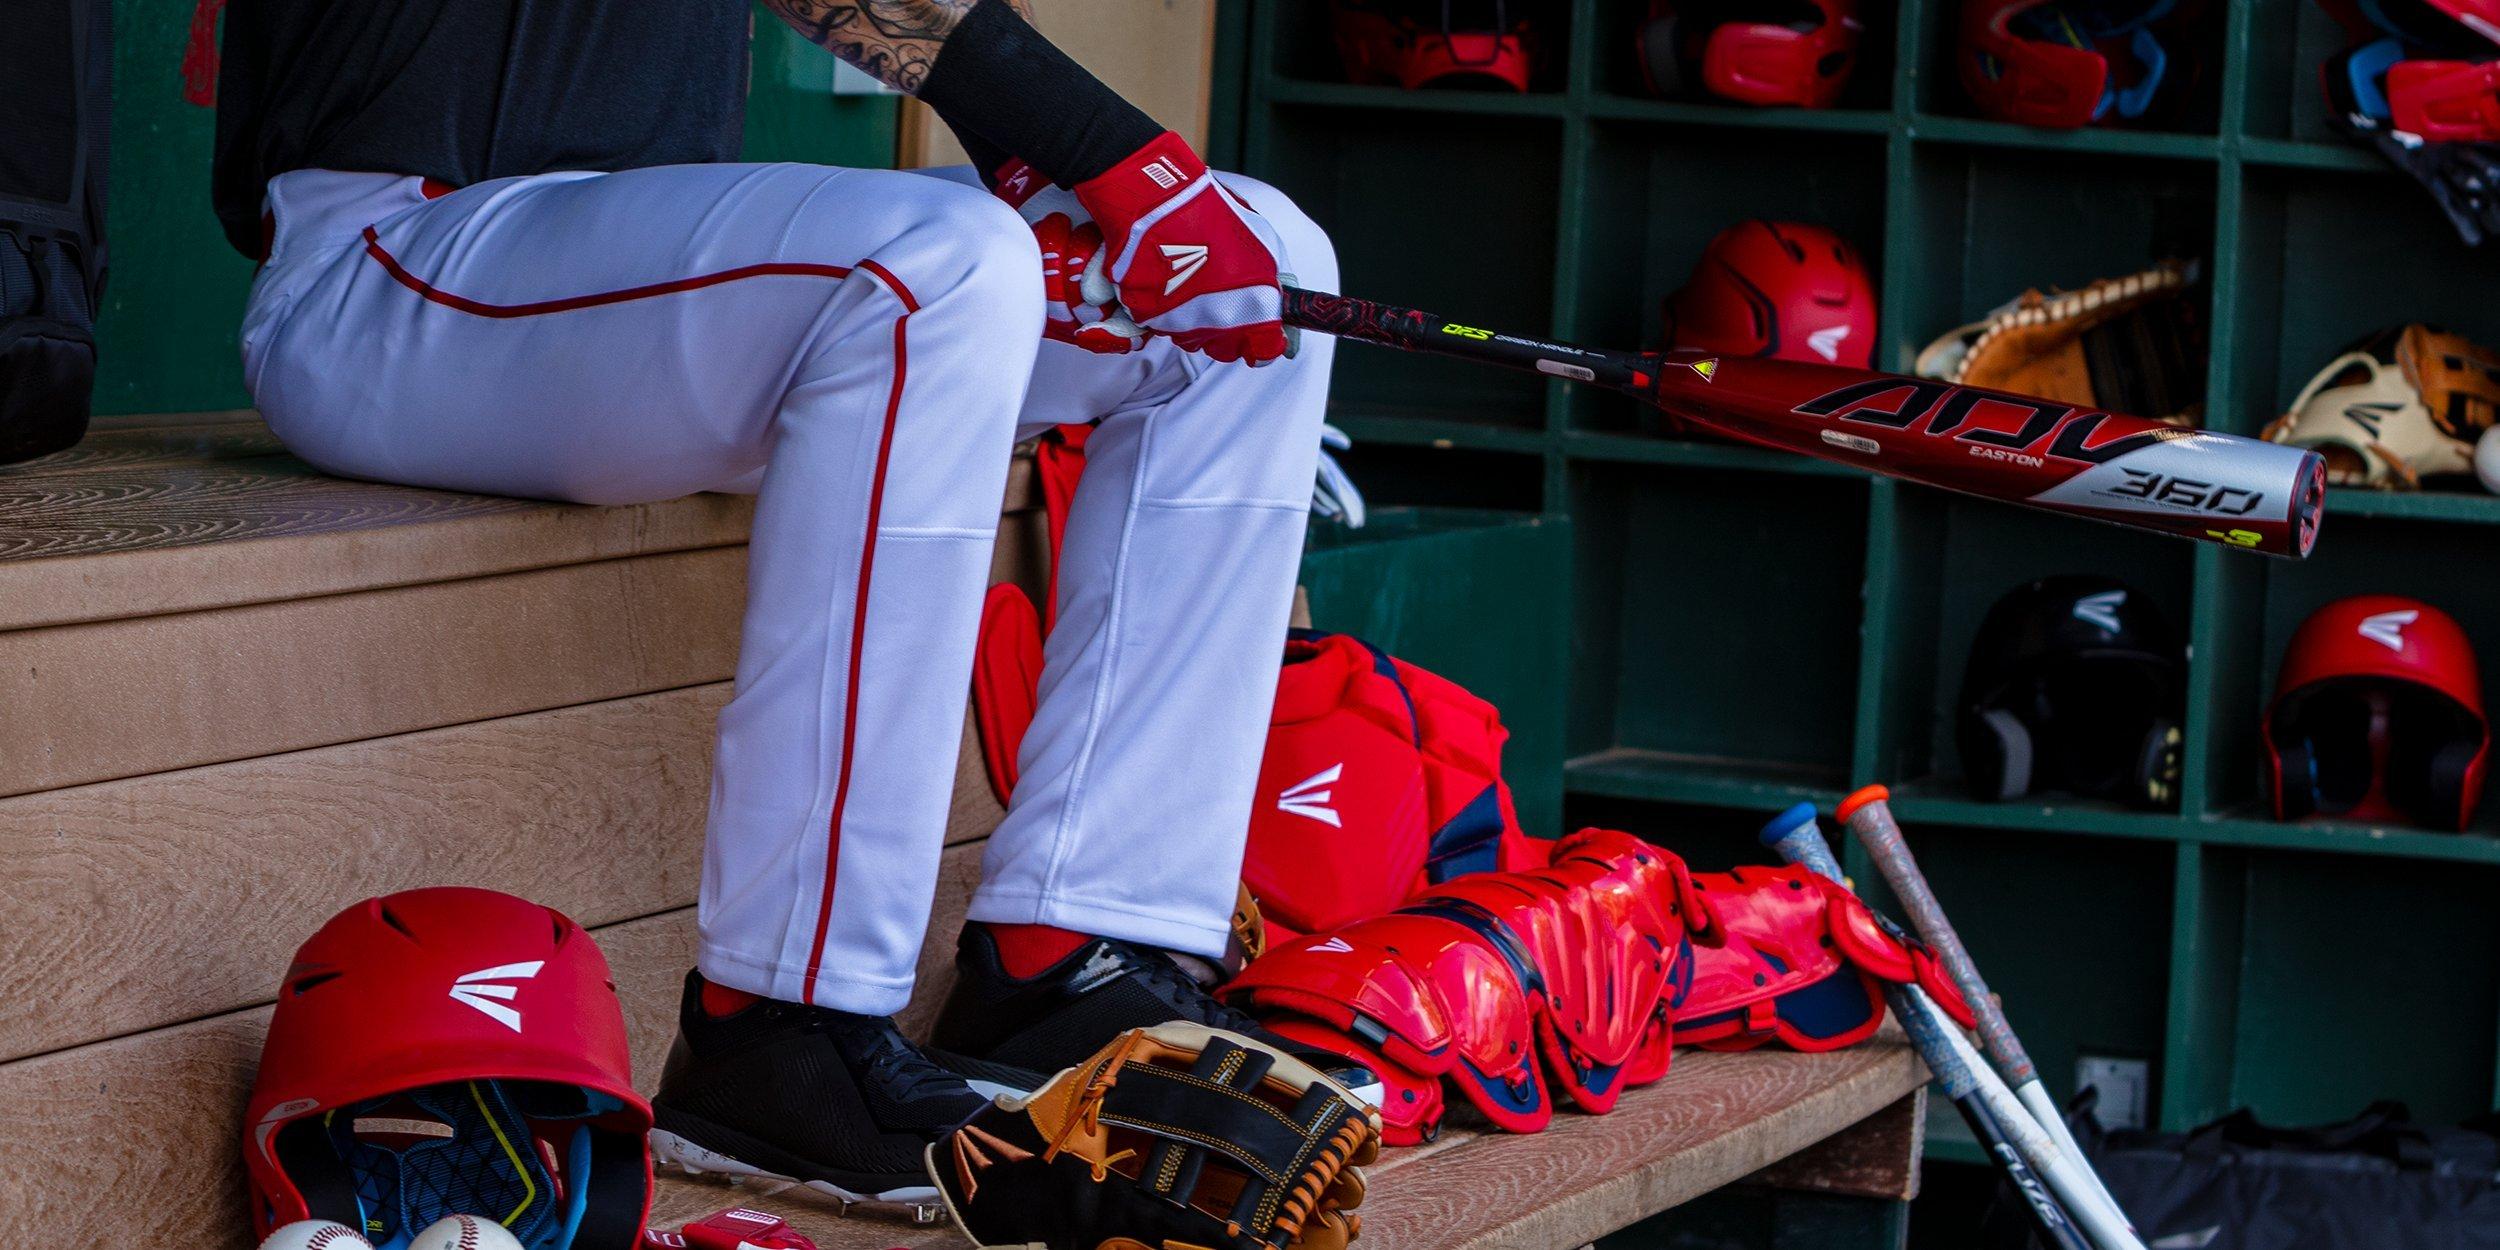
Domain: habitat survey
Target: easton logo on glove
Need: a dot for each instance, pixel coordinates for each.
(1187, 259)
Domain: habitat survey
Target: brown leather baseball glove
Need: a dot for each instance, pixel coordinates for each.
(1170, 1137)
(2134, 344)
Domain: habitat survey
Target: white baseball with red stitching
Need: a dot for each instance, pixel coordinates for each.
(465, 1232)
(315, 1235)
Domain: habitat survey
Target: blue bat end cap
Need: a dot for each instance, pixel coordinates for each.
(1786, 823)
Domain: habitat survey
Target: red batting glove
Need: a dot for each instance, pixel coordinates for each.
(1082, 307)
(1189, 260)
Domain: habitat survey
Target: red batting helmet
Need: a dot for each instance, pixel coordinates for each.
(1795, 52)
(2063, 63)
(1779, 289)
(2461, 28)
(450, 1051)
(2427, 67)
(1423, 43)
(2378, 715)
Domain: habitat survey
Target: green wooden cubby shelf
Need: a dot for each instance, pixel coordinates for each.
(1751, 629)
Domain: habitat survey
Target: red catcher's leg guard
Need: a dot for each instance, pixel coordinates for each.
(1497, 979)
(1805, 965)
(1424, 993)
(1602, 930)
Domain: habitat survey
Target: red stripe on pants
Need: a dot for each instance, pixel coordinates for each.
(859, 623)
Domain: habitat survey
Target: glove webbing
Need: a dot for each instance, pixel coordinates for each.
(1212, 1109)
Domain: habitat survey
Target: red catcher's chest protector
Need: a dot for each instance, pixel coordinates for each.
(1380, 779)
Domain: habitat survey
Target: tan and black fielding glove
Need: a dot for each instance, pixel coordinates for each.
(2134, 344)
(2397, 407)
(1178, 1137)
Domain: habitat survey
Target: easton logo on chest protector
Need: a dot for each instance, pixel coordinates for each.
(1309, 797)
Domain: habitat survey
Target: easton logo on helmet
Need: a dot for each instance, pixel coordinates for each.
(2387, 629)
(2101, 610)
(484, 990)
(1826, 342)
(1310, 797)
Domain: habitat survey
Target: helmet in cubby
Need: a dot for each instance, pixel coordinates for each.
(1768, 52)
(2424, 67)
(2067, 63)
(1781, 289)
(2075, 683)
(2378, 715)
(1480, 44)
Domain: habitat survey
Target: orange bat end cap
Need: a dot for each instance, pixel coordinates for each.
(1870, 794)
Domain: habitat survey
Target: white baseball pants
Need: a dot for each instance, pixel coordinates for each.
(860, 349)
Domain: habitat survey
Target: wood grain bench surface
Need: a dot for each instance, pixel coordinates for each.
(164, 856)
(153, 515)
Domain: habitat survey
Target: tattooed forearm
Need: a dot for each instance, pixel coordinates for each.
(897, 41)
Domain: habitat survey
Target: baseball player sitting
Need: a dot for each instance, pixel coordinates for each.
(509, 249)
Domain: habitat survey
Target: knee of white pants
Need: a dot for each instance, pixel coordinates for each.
(969, 249)
(1309, 256)
(967, 267)
(986, 307)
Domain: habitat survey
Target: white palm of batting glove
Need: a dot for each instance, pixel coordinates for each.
(1082, 304)
(1334, 495)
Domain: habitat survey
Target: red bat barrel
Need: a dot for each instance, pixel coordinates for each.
(2242, 492)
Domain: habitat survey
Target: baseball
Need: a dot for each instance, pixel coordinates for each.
(465, 1232)
(316, 1235)
(2487, 460)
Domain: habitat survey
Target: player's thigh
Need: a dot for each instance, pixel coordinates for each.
(602, 338)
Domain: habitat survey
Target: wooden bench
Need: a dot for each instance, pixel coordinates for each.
(236, 695)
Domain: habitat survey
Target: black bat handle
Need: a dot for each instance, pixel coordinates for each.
(1409, 329)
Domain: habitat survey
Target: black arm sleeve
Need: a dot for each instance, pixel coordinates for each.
(986, 156)
(997, 78)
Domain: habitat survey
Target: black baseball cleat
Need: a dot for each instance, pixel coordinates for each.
(842, 1104)
(1007, 1035)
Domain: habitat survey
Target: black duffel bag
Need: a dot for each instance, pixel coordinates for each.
(2373, 1182)
(56, 94)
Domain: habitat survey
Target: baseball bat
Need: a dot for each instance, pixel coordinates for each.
(1868, 816)
(2028, 1159)
(2132, 471)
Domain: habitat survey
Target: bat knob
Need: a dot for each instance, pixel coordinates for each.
(1795, 818)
